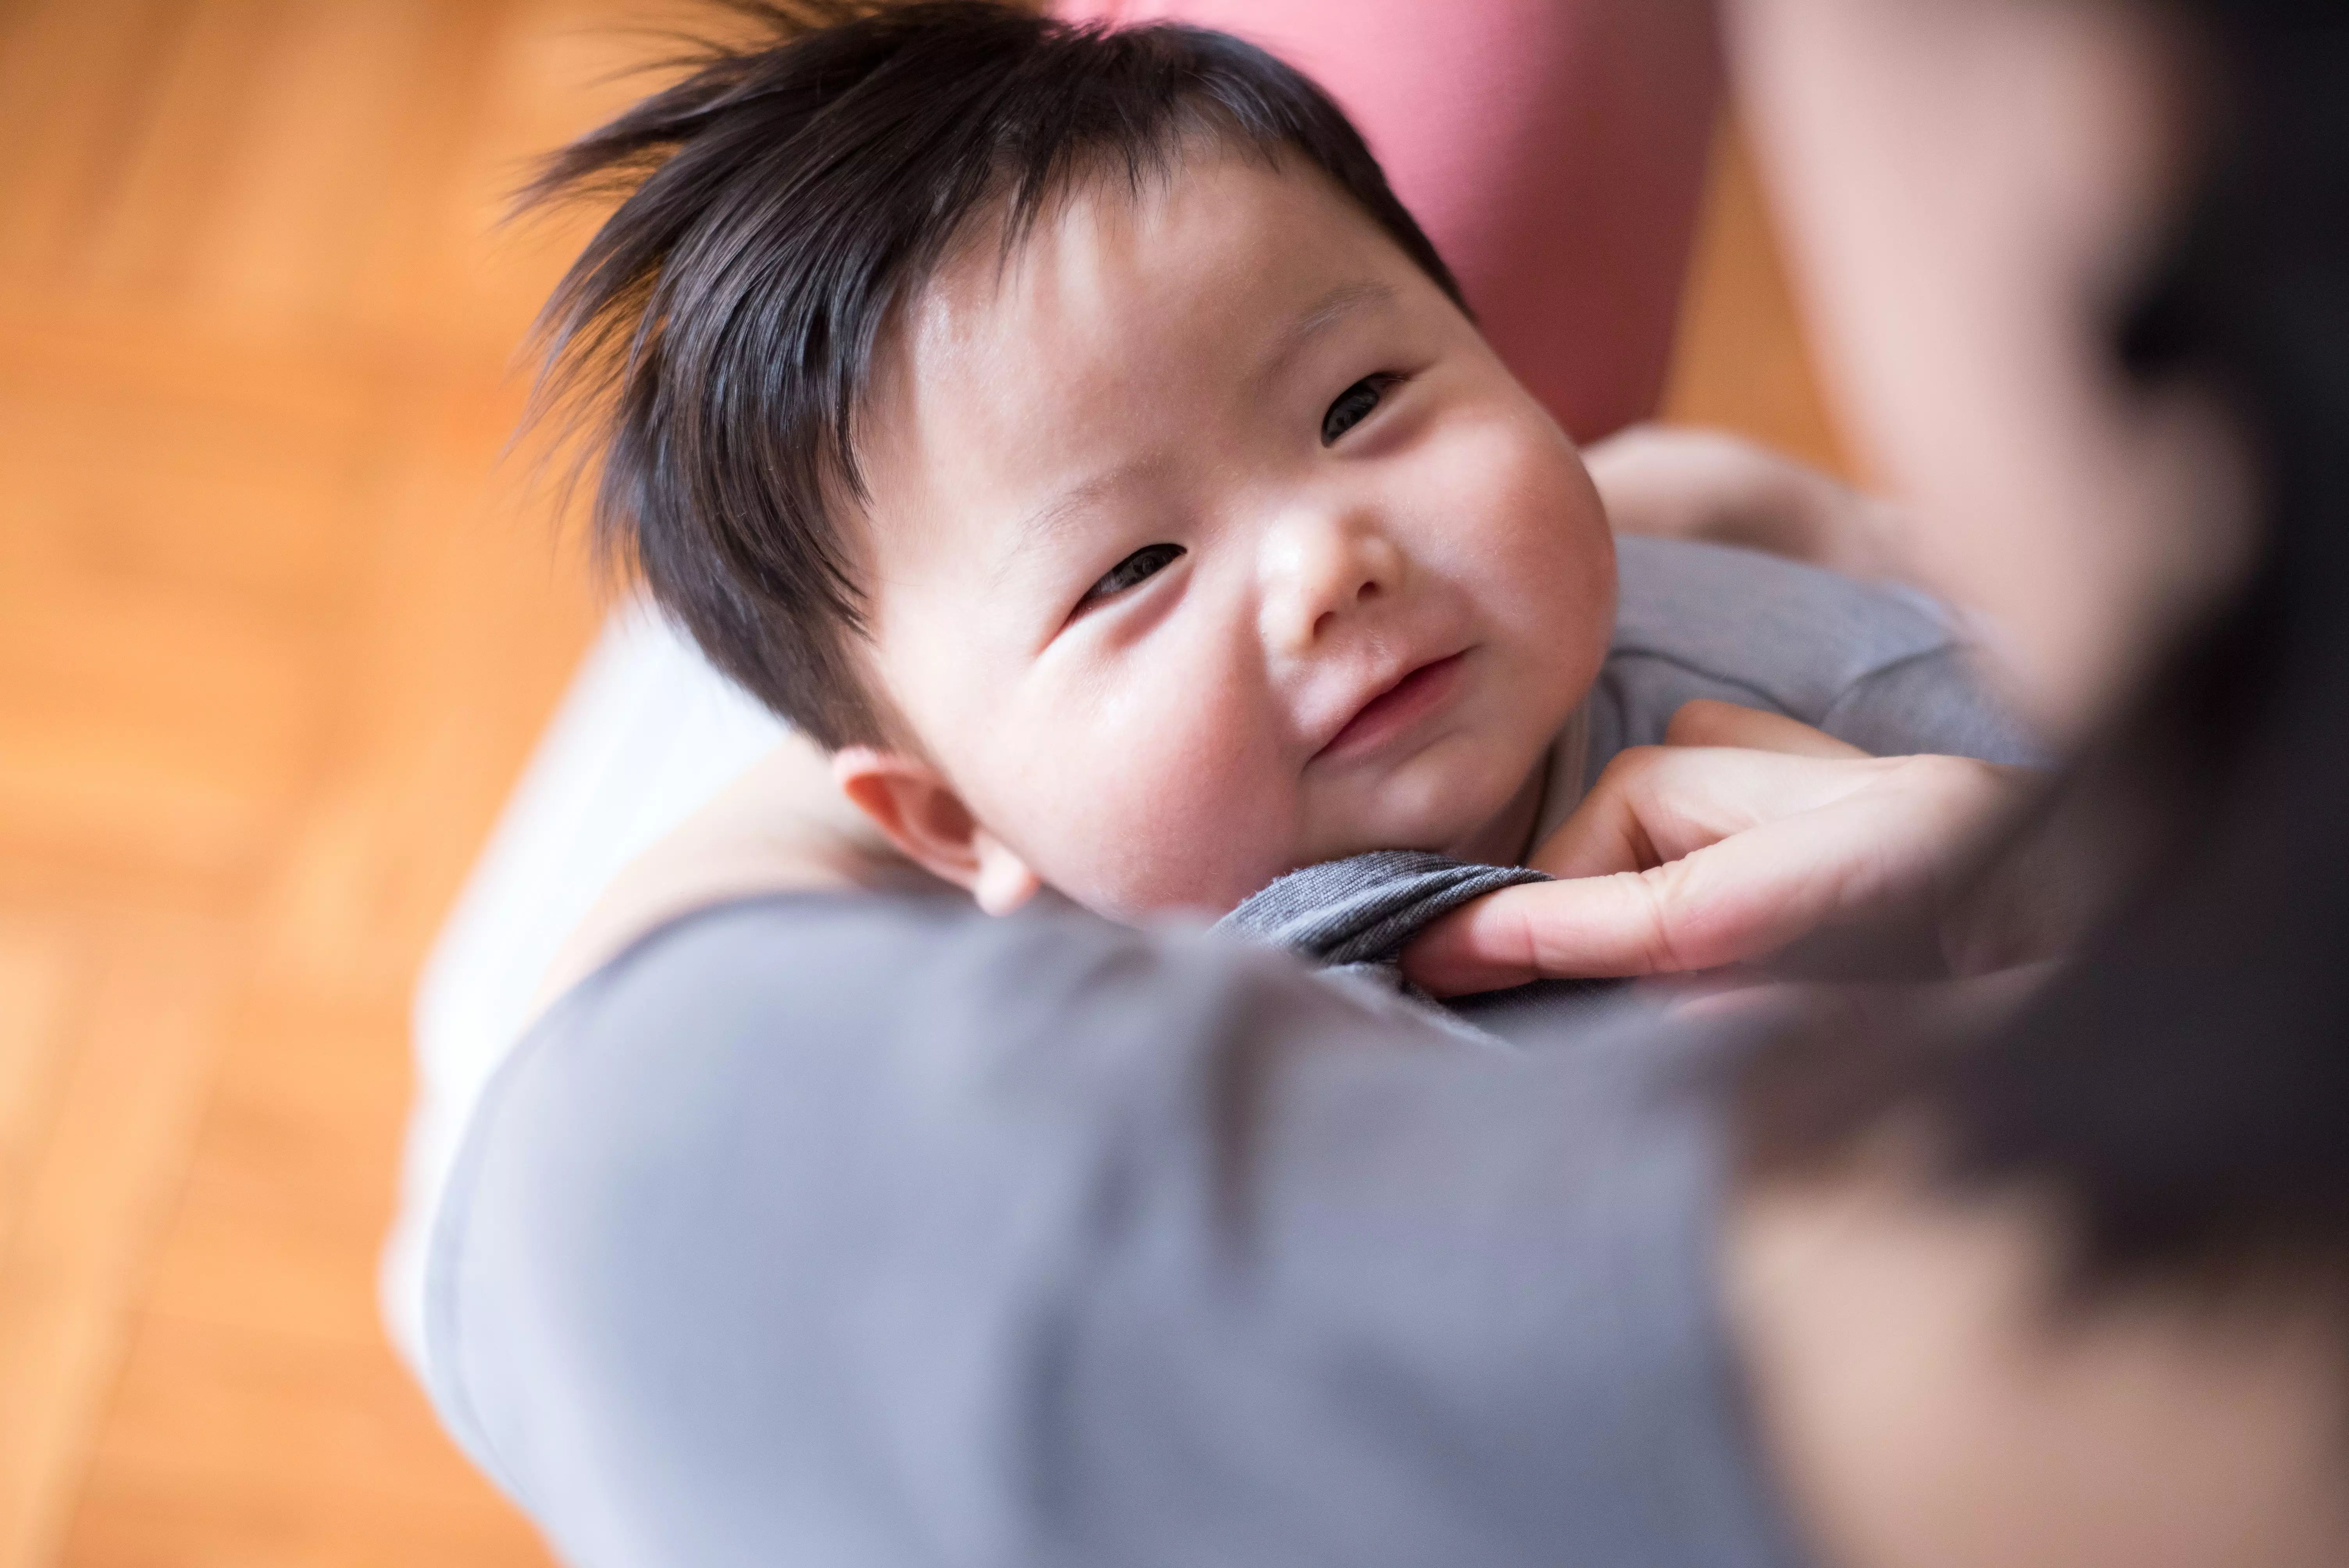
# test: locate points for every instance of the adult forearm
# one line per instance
(873, 1221)
(1710, 485)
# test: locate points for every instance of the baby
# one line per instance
(1071, 432)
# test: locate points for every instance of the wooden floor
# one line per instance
(276, 631)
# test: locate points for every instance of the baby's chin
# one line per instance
(1475, 801)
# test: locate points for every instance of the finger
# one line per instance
(1605, 833)
(1629, 923)
(1737, 900)
(1687, 914)
(1657, 803)
(1595, 926)
(1702, 721)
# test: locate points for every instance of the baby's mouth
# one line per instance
(1394, 710)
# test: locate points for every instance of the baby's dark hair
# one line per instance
(714, 339)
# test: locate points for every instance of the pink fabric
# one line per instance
(1554, 150)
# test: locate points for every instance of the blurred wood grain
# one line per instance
(276, 631)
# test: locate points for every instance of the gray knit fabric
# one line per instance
(1365, 909)
(1353, 918)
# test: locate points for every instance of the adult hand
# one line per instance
(1743, 832)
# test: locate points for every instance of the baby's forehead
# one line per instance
(1121, 297)
(1123, 243)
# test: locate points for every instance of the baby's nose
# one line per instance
(1319, 571)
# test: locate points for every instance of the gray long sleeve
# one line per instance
(854, 1231)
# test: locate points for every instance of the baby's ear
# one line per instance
(911, 801)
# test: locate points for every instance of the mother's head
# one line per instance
(1981, 193)
(2081, 271)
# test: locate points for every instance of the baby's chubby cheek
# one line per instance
(1149, 801)
(1534, 527)
(1541, 561)
(1132, 786)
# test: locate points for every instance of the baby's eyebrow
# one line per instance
(1328, 311)
(1055, 517)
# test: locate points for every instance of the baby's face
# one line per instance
(1207, 540)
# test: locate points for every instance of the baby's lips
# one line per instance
(1386, 712)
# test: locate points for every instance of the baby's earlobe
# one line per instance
(1004, 881)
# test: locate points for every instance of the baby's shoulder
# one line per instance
(1882, 666)
(1798, 634)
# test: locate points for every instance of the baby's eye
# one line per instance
(1142, 563)
(1354, 406)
